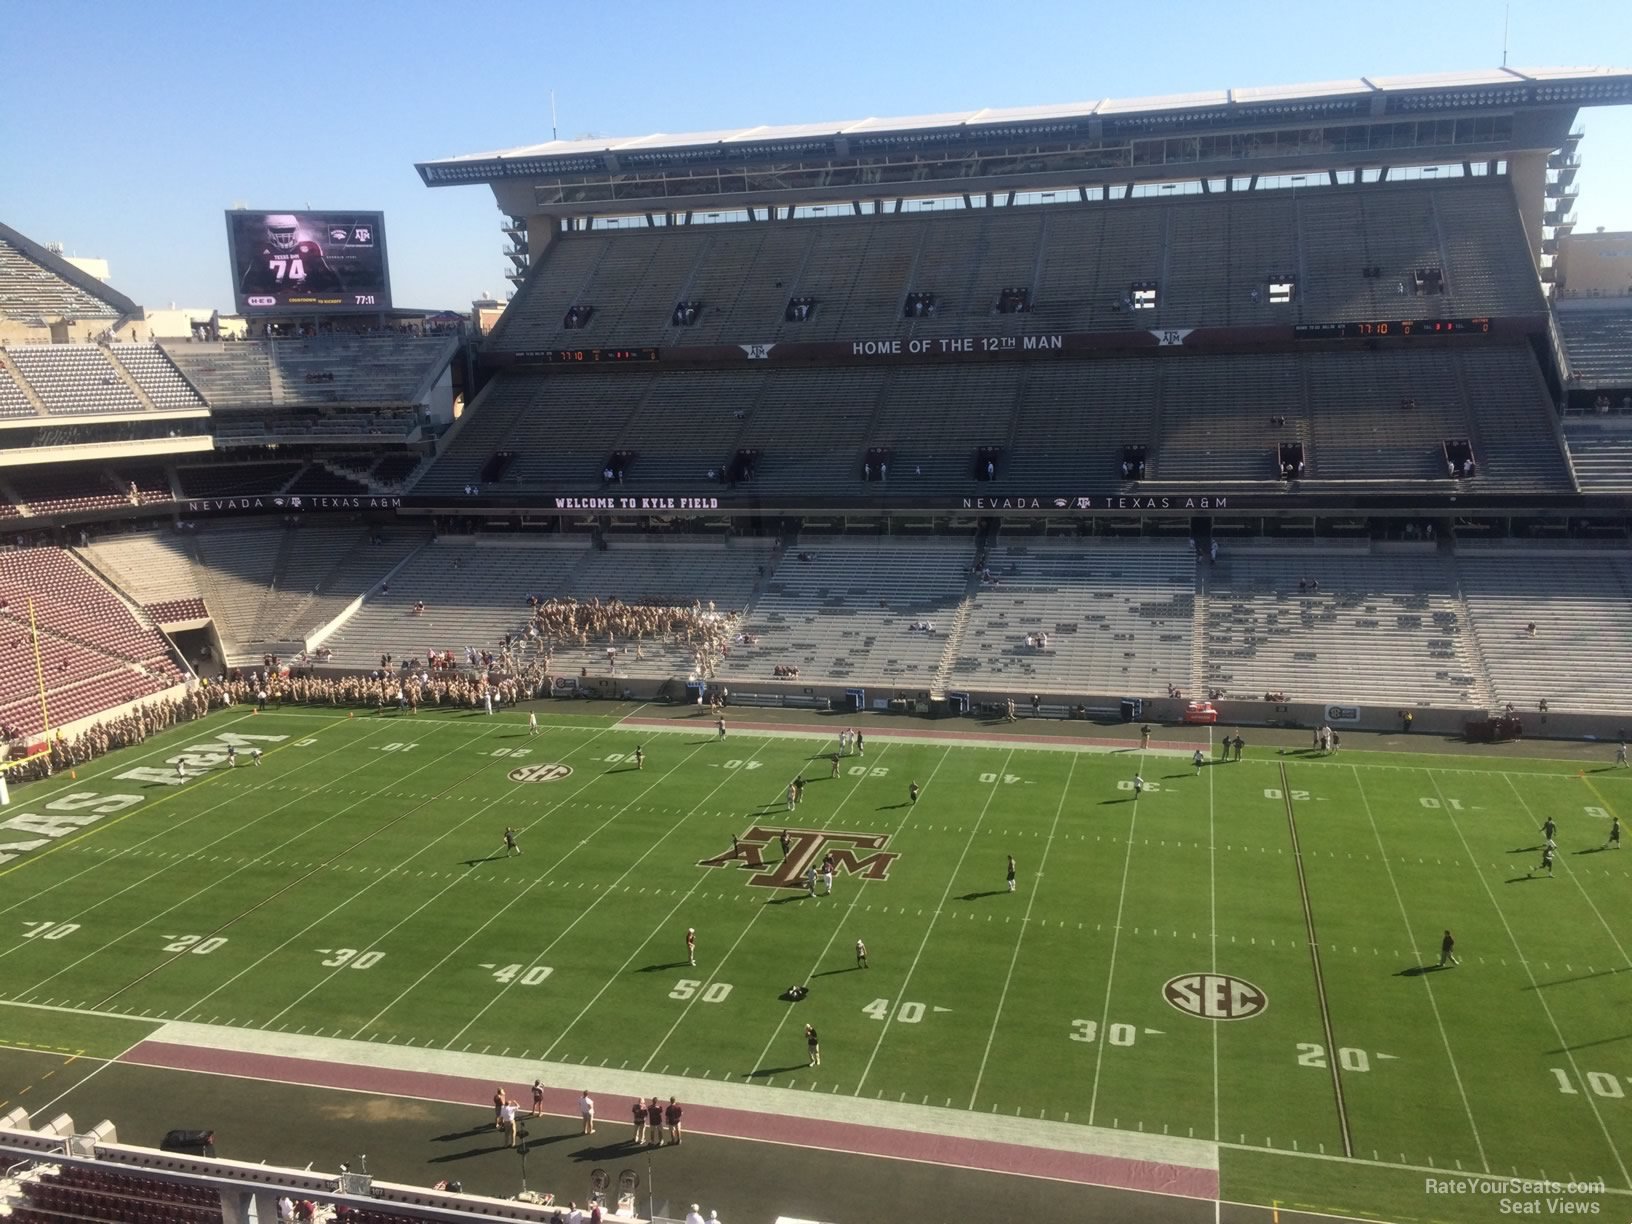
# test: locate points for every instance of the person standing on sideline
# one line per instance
(1614, 842)
(912, 793)
(813, 1044)
(861, 955)
(1447, 951)
(720, 727)
(538, 1097)
(654, 1122)
(639, 1113)
(1241, 743)
(181, 769)
(586, 1111)
(1011, 873)
(499, 1098)
(532, 724)
(1620, 755)
(691, 944)
(1138, 786)
(510, 846)
(507, 1122)
(640, 757)
(861, 745)
(835, 760)
(671, 1116)
(798, 790)
(1196, 759)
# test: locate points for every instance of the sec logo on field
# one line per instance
(1215, 996)
(540, 773)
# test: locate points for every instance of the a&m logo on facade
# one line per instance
(760, 848)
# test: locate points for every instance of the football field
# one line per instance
(1244, 954)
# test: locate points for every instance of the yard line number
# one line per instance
(714, 992)
(1117, 1034)
(1602, 1084)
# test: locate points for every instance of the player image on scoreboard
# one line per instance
(306, 261)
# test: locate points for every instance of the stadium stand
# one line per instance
(1351, 628)
(841, 610)
(156, 375)
(1081, 259)
(386, 370)
(97, 652)
(1203, 417)
(38, 285)
(1601, 453)
(267, 588)
(1117, 617)
(475, 592)
(14, 402)
(236, 479)
(1598, 340)
(1581, 607)
(151, 569)
(75, 378)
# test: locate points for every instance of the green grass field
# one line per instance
(356, 885)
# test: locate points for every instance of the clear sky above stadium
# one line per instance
(127, 129)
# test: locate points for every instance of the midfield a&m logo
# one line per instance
(806, 849)
(1215, 996)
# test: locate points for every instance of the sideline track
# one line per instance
(1061, 1151)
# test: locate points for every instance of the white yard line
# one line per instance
(1025, 922)
(166, 831)
(850, 909)
(583, 913)
(1116, 939)
(263, 957)
(1212, 914)
(1541, 997)
(524, 893)
(387, 874)
(44, 789)
(1427, 979)
(929, 927)
(1572, 877)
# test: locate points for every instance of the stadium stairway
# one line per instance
(16, 376)
(954, 637)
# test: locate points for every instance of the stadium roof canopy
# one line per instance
(1361, 100)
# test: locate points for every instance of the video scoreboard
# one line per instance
(308, 262)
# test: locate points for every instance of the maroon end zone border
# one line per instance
(1150, 1177)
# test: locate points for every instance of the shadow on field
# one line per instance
(475, 862)
(660, 968)
(798, 896)
(602, 1151)
(831, 972)
(1524, 879)
(1580, 977)
(467, 1154)
(767, 1072)
(481, 1128)
(1582, 1045)
(976, 896)
(1419, 970)
(1593, 850)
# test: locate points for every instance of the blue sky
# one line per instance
(126, 129)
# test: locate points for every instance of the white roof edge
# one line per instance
(1363, 86)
